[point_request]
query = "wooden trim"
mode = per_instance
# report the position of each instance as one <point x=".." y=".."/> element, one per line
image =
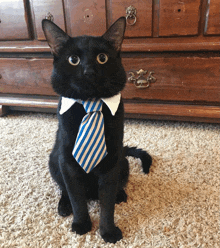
<point x="29" y="102"/>
<point x="172" y="44"/>
<point x="163" y="111"/>
<point x="3" y="110"/>
<point x="171" y="118"/>
<point x="186" y="112"/>
<point x="129" y="45"/>
<point x="23" y="47"/>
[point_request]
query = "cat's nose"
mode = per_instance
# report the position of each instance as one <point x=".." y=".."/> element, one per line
<point x="89" y="72"/>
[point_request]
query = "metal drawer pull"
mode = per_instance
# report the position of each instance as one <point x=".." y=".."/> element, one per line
<point x="131" y="13"/>
<point x="49" y="17"/>
<point x="141" y="82"/>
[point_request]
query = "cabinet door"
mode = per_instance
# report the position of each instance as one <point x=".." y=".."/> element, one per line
<point x="179" y="17"/>
<point x="86" y="17"/>
<point x="139" y="22"/>
<point x="213" y="18"/>
<point x="50" y="9"/>
<point x="13" y="20"/>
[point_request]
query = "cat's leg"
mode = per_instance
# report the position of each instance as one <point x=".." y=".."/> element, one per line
<point x="124" y="172"/>
<point x="64" y="206"/>
<point x="108" y="184"/>
<point x="123" y="179"/>
<point x="74" y="182"/>
<point x="54" y="166"/>
<point x="121" y="197"/>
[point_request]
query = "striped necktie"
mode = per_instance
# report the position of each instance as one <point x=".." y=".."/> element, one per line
<point x="90" y="147"/>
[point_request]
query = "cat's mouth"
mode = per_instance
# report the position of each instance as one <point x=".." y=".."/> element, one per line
<point x="88" y="90"/>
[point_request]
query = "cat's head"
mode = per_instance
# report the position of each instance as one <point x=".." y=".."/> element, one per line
<point x="86" y="66"/>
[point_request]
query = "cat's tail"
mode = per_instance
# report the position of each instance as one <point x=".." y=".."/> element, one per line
<point x="145" y="158"/>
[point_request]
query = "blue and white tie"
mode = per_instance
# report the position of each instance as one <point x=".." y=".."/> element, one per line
<point x="90" y="146"/>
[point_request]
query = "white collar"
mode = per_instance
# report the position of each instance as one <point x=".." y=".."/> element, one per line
<point x="111" y="102"/>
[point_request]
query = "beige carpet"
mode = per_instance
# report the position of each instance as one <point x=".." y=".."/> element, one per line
<point x="176" y="205"/>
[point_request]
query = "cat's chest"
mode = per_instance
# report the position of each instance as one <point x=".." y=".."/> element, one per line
<point x="70" y="121"/>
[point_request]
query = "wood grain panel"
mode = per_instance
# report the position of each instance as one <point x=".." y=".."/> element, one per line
<point x="29" y="101"/>
<point x="173" y="110"/>
<point x="3" y="110"/>
<point x="213" y="17"/>
<point x="143" y="25"/>
<point x="178" y="112"/>
<point x="13" y="21"/>
<point x="179" y="18"/>
<point x="178" y="79"/>
<point x="198" y="43"/>
<point x="42" y="9"/>
<point x="86" y="17"/>
<point x="26" y="76"/>
<point x="208" y="43"/>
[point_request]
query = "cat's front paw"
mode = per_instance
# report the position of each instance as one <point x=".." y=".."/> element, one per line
<point x="121" y="197"/>
<point x="113" y="236"/>
<point x="64" y="206"/>
<point x="82" y="228"/>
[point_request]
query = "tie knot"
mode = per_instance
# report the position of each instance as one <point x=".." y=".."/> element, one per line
<point x="92" y="105"/>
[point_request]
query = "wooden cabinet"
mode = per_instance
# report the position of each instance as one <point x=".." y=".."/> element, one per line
<point x="13" y="20"/>
<point x="179" y="18"/>
<point x="86" y="17"/>
<point x="175" y="79"/>
<point x="49" y="9"/>
<point x="26" y="76"/>
<point x="213" y="18"/>
<point x="141" y="20"/>
<point x="170" y="53"/>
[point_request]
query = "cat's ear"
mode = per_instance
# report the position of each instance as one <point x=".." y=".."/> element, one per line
<point x="115" y="34"/>
<point x="55" y="36"/>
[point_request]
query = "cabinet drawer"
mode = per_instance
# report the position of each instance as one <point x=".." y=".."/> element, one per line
<point x="179" y="17"/>
<point x="50" y="9"/>
<point x="13" y="21"/>
<point x="26" y="76"/>
<point x="86" y="17"/>
<point x="140" y="23"/>
<point x="212" y="26"/>
<point x="190" y="79"/>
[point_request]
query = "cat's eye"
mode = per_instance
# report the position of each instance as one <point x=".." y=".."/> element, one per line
<point x="74" y="60"/>
<point x="102" y="58"/>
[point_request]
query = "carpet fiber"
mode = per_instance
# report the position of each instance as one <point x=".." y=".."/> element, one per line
<point x="176" y="205"/>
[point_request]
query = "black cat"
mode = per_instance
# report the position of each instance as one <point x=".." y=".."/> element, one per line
<point x="90" y="67"/>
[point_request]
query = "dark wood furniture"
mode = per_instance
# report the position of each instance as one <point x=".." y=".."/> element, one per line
<point x="177" y="40"/>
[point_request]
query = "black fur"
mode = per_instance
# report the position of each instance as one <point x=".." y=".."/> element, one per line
<point x="90" y="79"/>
